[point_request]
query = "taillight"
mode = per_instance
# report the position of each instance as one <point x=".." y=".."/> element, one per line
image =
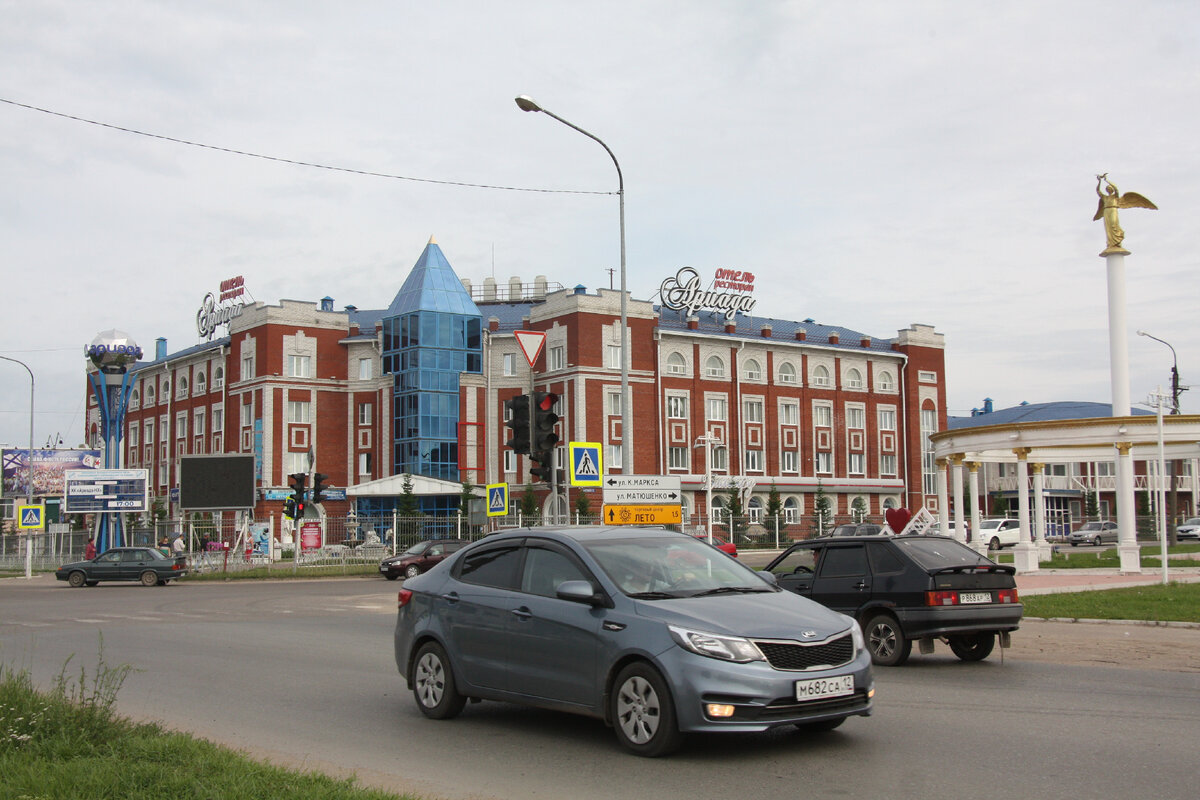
<point x="945" y="598"/>
<point x="403" y="598"/>
<point x="1007" y="596"/>
<point x="177" y="565"/>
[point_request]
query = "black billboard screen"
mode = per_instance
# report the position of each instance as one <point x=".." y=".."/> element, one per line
<point x="212" y="483"/>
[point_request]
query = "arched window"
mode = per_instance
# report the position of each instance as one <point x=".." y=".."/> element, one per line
<point x="753" y="371"/>
<point x="854" y="379"/>
<point x="889" y="502"/>
<point x="755" y="510"/>
<point x="885" y="381"/>
<point x="787" y="372"/>
<point x="150" y="394"/>
<point x="200" y="381"/>
<point x="714" y="367"/>
<point x="820" y="376"/>
<point x="181" y="387"/>
<point x="791" y="511"/>
<point x="166" y="391"/>
<point x="218" y="377"/>
<point x="676" y="364"/>
<point x="135" y="399"/>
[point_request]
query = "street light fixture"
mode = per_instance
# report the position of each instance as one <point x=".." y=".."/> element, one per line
<point x="526" y="103"/>
<point x="707" y="441"/>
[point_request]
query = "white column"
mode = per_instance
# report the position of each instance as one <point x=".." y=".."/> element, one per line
<point x="973" y="478"/>
<point x="1127" y="548"/>
<point x="1039" y="512"/>
<point x="1025" y="554"/>
<point x="943" y="497"/>
<point x="960" y="527"/>
<point x="1118" y="340"/>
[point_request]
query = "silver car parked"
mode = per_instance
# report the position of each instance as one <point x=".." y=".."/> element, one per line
<point x="651" y="631"/>
<point x="1094" y="533"/>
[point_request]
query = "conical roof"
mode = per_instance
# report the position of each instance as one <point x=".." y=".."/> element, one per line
<point x="432" y="286"/>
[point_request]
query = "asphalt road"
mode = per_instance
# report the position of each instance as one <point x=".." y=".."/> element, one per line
<point x="302" y="673"/>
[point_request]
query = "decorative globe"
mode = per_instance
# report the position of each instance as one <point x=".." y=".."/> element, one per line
<point x="112" y="350"/>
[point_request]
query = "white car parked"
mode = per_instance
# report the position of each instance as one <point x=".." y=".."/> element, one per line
<point x="1188" y="529"/>
<point x="1000" y="532"/>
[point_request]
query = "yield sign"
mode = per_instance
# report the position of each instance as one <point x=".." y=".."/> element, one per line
<point x="531" y="343"/>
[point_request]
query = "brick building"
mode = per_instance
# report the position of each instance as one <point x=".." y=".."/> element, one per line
<point x="419" y="388"/>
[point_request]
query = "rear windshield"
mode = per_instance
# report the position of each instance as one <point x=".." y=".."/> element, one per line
<point x="933" y="553"/>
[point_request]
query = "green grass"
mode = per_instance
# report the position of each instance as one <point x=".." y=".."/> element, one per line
<point x="1070" y="558"/>
<point x="1176" y="602"/>
<point x="68" y="744"/>
<point x="287" y="572"/>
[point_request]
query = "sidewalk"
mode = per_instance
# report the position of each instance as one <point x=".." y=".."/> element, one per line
<point x="1052" y="581"/>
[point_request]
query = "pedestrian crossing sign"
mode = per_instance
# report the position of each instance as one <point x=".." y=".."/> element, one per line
<point x="31" y="517"/>
<point x="587" y="463"/>
<point x="497" y="497"/>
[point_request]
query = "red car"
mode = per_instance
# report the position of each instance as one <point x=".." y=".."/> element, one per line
<point x="725" y="547"/>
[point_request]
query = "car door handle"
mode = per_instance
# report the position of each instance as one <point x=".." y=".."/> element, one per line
<point x="451" y="597"/>
<point x="523" y="612"/>
<point x="861" y="585"/>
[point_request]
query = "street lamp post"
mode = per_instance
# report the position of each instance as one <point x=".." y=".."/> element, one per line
<point x="707" y="441"/>
<point x="29" y="467"/>
<point x="526" y="103"/>
<point x="1175" y="391"/>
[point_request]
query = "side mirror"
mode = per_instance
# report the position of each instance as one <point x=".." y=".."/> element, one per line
<point x="769" y="577"/>
<point x="581" y="592"/>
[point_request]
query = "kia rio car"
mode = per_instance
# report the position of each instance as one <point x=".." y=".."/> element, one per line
<point x="652" y="631"/>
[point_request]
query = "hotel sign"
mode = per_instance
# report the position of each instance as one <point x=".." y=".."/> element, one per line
<point x="683" y="292"/>
<point x="211" y="315"/>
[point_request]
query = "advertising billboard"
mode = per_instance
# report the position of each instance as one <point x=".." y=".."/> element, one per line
<point x="216" y="483"/>
<point x="49" y="470"/>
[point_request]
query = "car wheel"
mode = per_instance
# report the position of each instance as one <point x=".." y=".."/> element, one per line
<point x="433" y="683"/>
<point x="643" y="714"/>
<point x="412" y="571"/>
<point x="888" y="645"/>
<point x="1096" y="542"/>
<point x="821" y="726"/>
<point x="994" y="544"/>
<point x="1074" y="544"/>
<point x="973" y="646"/>
<point x="149" y="578"/>
<point x="77" y="579"/>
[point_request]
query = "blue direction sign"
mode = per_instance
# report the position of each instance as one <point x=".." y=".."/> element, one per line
<point x="587" y="463"/>
<point x="497" y="497"/>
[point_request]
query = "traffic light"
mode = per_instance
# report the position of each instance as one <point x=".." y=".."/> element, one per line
<point x="318" y="487"/>
<point x="542" y="437"/>
<point x="518" y="422"/>
<point x="541" y="469"/>
<point x="293" y="507"/>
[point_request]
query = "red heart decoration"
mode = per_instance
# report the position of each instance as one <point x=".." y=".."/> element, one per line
<point x="897" y="518"/>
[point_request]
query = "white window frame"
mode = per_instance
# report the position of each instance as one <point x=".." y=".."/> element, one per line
<point x="788" y="461"/>
<point x="822" y="415"/>
<point x="789" y="413"/>
<point x="677" y="406"/>
<point x="299" y="412"/>
<point x="677" y="458"/>
<point x="887" y="464"/>
<point x="556" y="358"/>
<point x="714" y="367"/>
<point x="509" y="367"/>
<point x="753" y="409"/>
<point x="823" y="463"/>
<point x="365" y="369"/>
<point x="820" y="376"/>
<point x="787" y="373"/>
<point x="855" y="464"/>
<point x="614" y="356"/>
<point x="856" y="417"/>
<point x="753" y="460"/>
<point x="676" y="364"/>
<point x="716" y="408"/>
<point x="753" y="370"/>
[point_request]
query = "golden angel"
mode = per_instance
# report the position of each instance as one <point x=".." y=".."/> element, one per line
<point x="1111" y="199"/>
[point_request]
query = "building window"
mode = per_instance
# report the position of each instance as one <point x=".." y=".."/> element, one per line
<point x="300" y="366"/>
<point x="614" y="404"/>
<point x="247" y="415"/>
<point x="787" y="461"/>
<point x="198" y="422"/>
<point x="720" y="458"/>
<point x="149" y="432"/>
<point x="556" y="358"/>
<point x="133" y="435"/>
<point x="856" y="417"/>
<point x="218" y="378"/>
<point x="820" y="376"/>
<point x="1108" y="469"/>
<point x="677" y="407"/>
<point x="614" y="356"/>
<point x="364" y="413"/>
<point x="299" y="411"/>
<point x="134" y="399"/>
<point x="887" y="464"/>
<point x="218" y="419"/>
<point x="613" y="456"/>
<point x="714" y="367"/>
<point x="150" y="395"/>
<point x="787" y="373"/>
<point x="822" y="416"/>
<point x="753" y="371"/>
<point x="164" y="430"/>
<point x="928" y="465"/>
<point x="181" y="389"/>
<point x="181" y="425"/>
<point x="885" y="381"/>
<point x="925" y="376"/>
<point x="162" y="474"/>
<point x="789" y="414"/>
<point x="364" y="369"/>
<point x="887" y="419"/>
<point x="754" y="460"/>
<point x="510" y="462"/>
<point x="791" y="511"/>
<point x="676" y="364"/>
<point x="200" y="381"/>
<point x="753" y="410"/>
<point x="854" y="463"/>
<point x="296" y="462"/>
<point x="247" y="367"/>
<point x="165" y="394"/>
<point x="677" y="458"/>
<point x="510" y="364"/>
<point x="824" y="463"/>
<point x="716" y="409"/>
<point x="854" y="379"/>
<point x="364" y="465"/>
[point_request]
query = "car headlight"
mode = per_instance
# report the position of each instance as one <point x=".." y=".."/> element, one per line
<point x="715" y="645"/>
<point x="860" y="643"/>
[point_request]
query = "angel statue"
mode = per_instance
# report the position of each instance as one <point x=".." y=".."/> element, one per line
<point x="1110" y="200"/>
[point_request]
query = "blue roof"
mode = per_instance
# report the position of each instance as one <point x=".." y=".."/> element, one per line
<point x="215" y="344"/>
<point x="713" y="323"/>
<point x="1038" y="412"/>
<point x="432" y="286"/>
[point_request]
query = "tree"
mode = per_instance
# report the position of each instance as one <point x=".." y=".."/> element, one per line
<point x="774" y="507"/>
<point x="859" y="509"/>
<point x="529" y="503"/>
<point x="583" y="505"/>
<point x="407" y="510"/>
<point x="822" y="510"/>
<point x="736" y="527"/>
<point x="1091" y="505"/>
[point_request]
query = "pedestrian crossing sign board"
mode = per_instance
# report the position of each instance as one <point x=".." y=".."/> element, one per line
<point x="31" y="517"/>
<point x="497" y="497"/>
<point x="587" y="463"/>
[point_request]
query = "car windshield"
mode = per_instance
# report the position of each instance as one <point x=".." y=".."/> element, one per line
<point x="1091" y="526"/>
<point x="988" y="524"/>
<point x="662" y="567"/>
<point x="416" y="549"/>
<point x="939" y="553"/>
<point x="1192" y="521"/>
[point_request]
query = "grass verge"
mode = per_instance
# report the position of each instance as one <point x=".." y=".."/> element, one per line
<point x="1174" y="602"/>
<point x="67" y="743"/>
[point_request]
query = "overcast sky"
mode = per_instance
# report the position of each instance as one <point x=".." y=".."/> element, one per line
<point x="874" y="164"/>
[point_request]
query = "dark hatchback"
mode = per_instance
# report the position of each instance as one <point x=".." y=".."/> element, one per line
<point x="144" y="564"/>
<point x="907" y="588"/>
<point x="419" y="558"/>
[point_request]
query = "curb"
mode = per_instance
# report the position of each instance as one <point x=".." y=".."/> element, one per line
<point x="1144" y="623"/>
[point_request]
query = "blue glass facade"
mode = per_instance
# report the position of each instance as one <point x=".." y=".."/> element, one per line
<point x="431" y="335"/>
